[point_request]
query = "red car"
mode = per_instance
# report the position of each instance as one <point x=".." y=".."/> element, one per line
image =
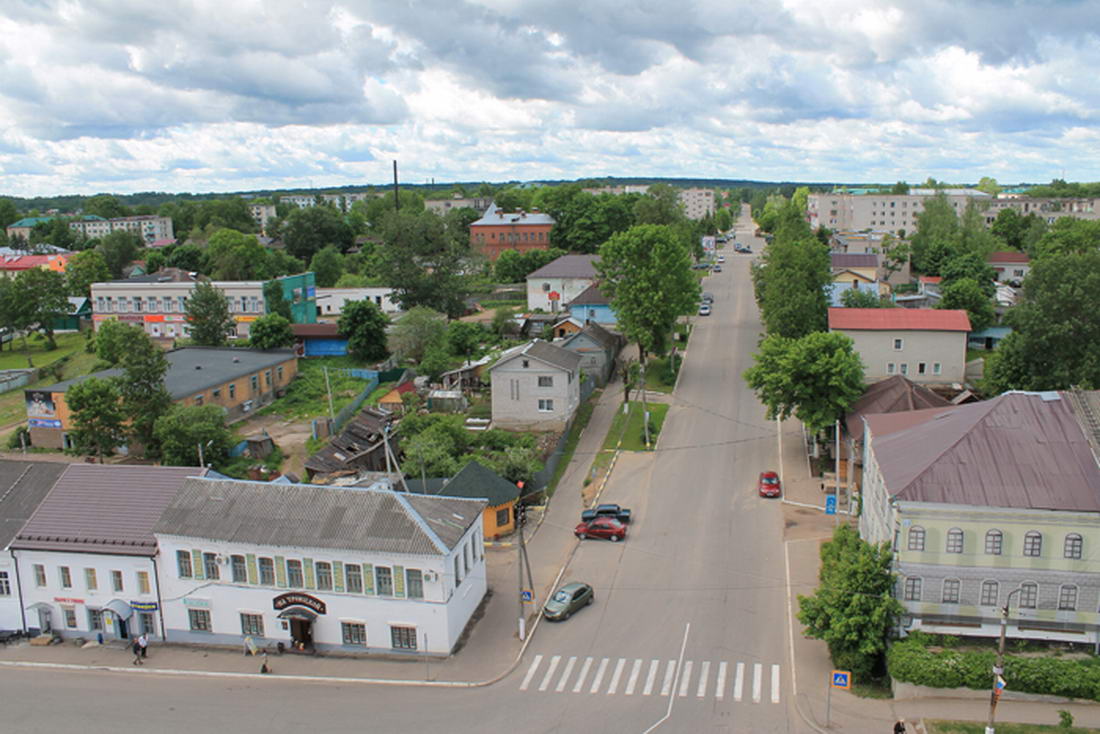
<point x="769" y="484"/>
<point x="601" y="527"/>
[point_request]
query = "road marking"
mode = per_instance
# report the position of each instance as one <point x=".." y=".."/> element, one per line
<point x="739" y="682"/>
<point x="614" y="687"/>
<point x="633" y="680"/>
<point x="651" y="676"/>
<point x="685" y="680"/>
<point x="672" y="699"/>
<point x="670" y="670"/>
<point x="704" y="673"/>
<point x="599" y="676"/>
<point x="584" y="674"/>
<point x="565" y="675"/>
<point x="775" y="684"/>
<point x="757" y="682"/>
<point x="720" y="684"/>
<point x="530" y="672"/>
<point x="549" y="672"/>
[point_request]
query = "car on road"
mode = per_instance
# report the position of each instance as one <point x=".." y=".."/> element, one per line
<point x="621" y="514"/>
<point x="704" y="309"/>
<point x="717" y="268"/>
<point x="721" y="258"/>
<point x="769" y="485"/>
<point x="601" y="527"/>
<point x="567" y="600"/>
<point x="708" y="297"/>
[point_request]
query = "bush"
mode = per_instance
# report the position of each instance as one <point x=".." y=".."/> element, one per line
<point x="13" y="439"/>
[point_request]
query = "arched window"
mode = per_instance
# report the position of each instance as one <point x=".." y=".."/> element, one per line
<point x="916" y="538"/>
<point x="1033" y="544"/>
<point x="954" y="540"/>
<point x="1073" y="546"/>
<point x="990" y="593"/>
<point x="993" y="542"/>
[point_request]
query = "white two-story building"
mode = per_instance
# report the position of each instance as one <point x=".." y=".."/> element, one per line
<point x="311" y="567"/>
<point x="557" y="283"/>
<point x="535" y="387"/>
<point x="927" y="345"/>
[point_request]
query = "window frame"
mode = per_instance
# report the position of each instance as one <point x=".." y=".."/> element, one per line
<point x="40" y="575"/>
<point x="916" y="538"/>
<point x="353" y="570"/>
<point x="546" y="380"/>
<point x="951" y="591"/>
<point x="5" y="584"/>
<point x="383" y="573"/>
<point x="414" y="583"/>
<point x="266" y="570"/>
<point x="955" y="541"/>
<point x="994" y="542"/>
<point x="899" y="344"/>
<point x="546" y="405"/>
<point x="1063" y="604"/>
<point x="914" y="586"/>
<point x="238" y="572"/>
<point x="1033" y="544"/>
<point x="252" y="624"/>
<point x="65" y="576"/>
<point x="994" y="586"/>
<point x="143" y="582"/>
<point x="183" y="564"/>
<point x="198" y="620"/>
<point x="353" y="634"/>
<point x="210" y="567"/>
<point x="117" y="582"/>
<point x="1029" y="595"/>
<point x="323" y="573"/>
<point x="295" y="573"/>
<point x="403" y="637"/>
<point x="1073" y="546"/>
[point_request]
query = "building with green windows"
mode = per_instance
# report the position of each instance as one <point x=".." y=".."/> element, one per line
<point x="979" y="500"/>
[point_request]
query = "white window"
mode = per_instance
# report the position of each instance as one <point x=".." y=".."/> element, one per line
<point x="183" y="564"/>
<point x="66" y="577"/>
<point x="905" y="368"/>
<point x="294" y="574"/>
<point x="954" y="540"/>
<point x="912" y="589"/>
<point x="39" y="575"/>
<point x="353" y="575"/>
<point x="546" y="405"/>
<point x="252" y="625"/>
<point x="936" y="369"/>
<point x="990" y="591"/>
<point x="951" y="591"/>
<point x="240" y="572"/>
<point x="70" y="616"/>
<point x="920" y="368"/>
<point x="116" y="580"/>
<point x="891" y="368"/>
<point x="403" y="638"/>
<point x="414" y="583"/>
<point x="1029" y="595"/>
<point x="95" y="619"/>
<point x="458" y="572"/>
<point x="210" y="564"/>
<point x="546" y="381"/>
<point x="1073" y="546"/>
<point x="199" y="620"/>
<point x="916" y="538"/>
<point x="324" y="576"/>
<point x="354" y="633"/>
<point x="1067" y="598"/>
<point x="1033" y="544"/>
<point x="994" y="540"/>
<point x="5" y="584"/>
<point x="898" y="344"/>
<point x="383" y="580"/>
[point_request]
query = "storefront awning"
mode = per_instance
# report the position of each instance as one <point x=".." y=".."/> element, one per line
<point x="40" y="605"/>
<point x="297" y="613"/>
<point x="120" y="608"/>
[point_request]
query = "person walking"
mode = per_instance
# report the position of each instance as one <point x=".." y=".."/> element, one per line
<point x="143" y="641"/>
<point x="135" y="646"/>
<point x="899" y="727"/>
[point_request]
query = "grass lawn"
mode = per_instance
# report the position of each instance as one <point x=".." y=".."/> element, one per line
<point x="13" y="405"/>
<point x="307" y="396"/>
<point x="584" y="413"/>
<point x="657" y="375"/>
<point x="937" y="726"/>
<point x="36" y="349"/>
<point x="972" y="354"/>
<point x="629" y="427"/>
<point x="380" y="392"/>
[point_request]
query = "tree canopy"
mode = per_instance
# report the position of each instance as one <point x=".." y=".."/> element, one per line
<point x="424" y="262"/>
<point x="119" y="249"/>
<point x="83" y="269"/>
<point x="327" y="266"/>
<point x="144" y="397"/>
<point x="364" y="326"/>
<point x="416" y="331"/>
<point x="42" y="297"/>
<point x="98" y="416"/>
<point x="791" y="284"/>
<point x="183" y="428"/>
<point x="270" y="331"/>
<point x="967" y="294"/>
<point x="306" y="231"/>
<point x="208" y="314"/>
<point x="114" y="339"/>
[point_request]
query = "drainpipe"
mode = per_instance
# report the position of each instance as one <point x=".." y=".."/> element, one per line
<point x="160" y="601"/>
<point x="19" y="585"/>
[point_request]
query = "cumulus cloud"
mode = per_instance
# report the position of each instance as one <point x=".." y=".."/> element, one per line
<point x="215" y="95"/>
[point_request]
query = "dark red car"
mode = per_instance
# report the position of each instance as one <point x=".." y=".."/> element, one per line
<point x="601" y="527"/>
<point x="769" y="484"/>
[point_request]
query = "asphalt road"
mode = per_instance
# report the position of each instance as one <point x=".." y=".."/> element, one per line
<point x="689" y="621"/>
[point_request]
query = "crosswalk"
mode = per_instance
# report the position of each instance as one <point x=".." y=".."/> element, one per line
<point x="742" y="682"/>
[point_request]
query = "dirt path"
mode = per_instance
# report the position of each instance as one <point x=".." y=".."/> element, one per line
<point x="289" y="435"/>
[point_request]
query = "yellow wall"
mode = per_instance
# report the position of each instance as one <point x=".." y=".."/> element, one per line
<point x="489" y="521"/>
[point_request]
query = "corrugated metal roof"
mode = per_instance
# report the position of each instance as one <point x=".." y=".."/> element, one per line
<point x="23" y="486"/>
<point x="96" y="508"/>
<point x="893" y="395"/>
<point x="544" y="352"/>
<point x="321" y="328"/>
<point x="313" y="516"/>
<point x="854" y="259"/>
<point x="491" y="218"/>
<point x="1008" y="257"/>
<point x="1019" y="449"/>
<point x="590" y="296"/>
<point x="568" y="266"/>
<point x="899" y="319"/>
<point x="477" y="481"/>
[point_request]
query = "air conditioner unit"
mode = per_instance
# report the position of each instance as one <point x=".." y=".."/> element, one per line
<point x="246" y="406"/>
<point x="222" y="558"/>
<point x="430" y="576"/>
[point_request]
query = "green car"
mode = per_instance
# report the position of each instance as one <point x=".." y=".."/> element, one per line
<point x="567" y="600"/>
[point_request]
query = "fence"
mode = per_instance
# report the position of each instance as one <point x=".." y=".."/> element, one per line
<point x="15" y="379"/>
<point x="352" y="408"/>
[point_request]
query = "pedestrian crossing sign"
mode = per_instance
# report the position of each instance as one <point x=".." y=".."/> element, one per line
<point x="527" y="595"/>
<point x="842" y="679"/>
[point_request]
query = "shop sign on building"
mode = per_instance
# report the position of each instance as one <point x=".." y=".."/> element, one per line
<point x="295" y="598"/>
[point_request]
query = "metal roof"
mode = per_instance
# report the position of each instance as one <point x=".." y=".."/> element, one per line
<point x="1025" y="450"/>
<point x="495" y="217"/>
<point x="194" y="369"/>
<point x="893" y="395"/>
<point x="313" y="516"/>
<point x="1008" y="257"/>
<point x="854" y="259"/>
<point x="23" y="486"/>
<point x="899" y="319"/>
<point x="109" y="509"/>
<point x="545" y="352"/>
<point x="477" y="481"/>
<point x="568" y="266"/>
<point x="590" y="296"/>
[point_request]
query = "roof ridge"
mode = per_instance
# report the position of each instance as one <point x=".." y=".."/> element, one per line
<point x="420" y="522"/>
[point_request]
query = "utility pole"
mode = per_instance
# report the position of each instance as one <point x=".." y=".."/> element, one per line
<point x="645" y="408"/>
<point x="396" y="198"/>
<point x="201" y="464"/>
<point x="836" y="483"/>
<point x="331" y="414"/>
<point x="998" y="668"/>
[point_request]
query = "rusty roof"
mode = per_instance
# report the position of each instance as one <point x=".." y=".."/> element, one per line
<point x="892" y="395"/>
<point x="1008" y="257"/>
<point x="1020" y="449"/>
<point x="899" y="319"/>
<point x="110" y="509"/>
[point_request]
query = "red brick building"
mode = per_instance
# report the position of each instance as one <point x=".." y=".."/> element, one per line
<point x="498" y="231"/>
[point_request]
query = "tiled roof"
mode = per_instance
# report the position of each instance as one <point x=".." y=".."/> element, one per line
<point x="23" y="485"/>
<point x="1019" y="449"/>
<point x="899" y="319"/>
<point x="854" y="259"/>
<point x="568" y="266"/>
<point x="314" y="516"/>
<point x="97" y="508"/>
<point x="1008" y="257"/>
<point x="478" y="482"/>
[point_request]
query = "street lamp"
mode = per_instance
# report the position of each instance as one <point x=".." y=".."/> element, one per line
<point x="998" y="668"/>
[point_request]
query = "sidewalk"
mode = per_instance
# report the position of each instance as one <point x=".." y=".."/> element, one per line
<point x="493" y="645"/>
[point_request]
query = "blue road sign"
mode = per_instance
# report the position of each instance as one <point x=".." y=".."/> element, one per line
<point x="830" y="504"/>
<point x="527" y="595"/>
<point x="842" y="679"/>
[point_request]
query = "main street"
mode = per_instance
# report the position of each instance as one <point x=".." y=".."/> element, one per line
<point x="690" y="618"/>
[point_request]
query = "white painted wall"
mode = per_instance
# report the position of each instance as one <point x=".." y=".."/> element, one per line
<point x="516" y="394"/>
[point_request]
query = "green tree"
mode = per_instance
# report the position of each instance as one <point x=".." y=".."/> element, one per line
<point x="208" y="314"/>
<point x="435" y="362"/>
<point x="271" y="331"/>
<point x="97" y="415"/>
<point x="352" y="280"/>
<point x="119" y="249"/>
<point x="853" y="609"/>
<point x="306" y="231"/>
<point x="1055" y="342"/>
<point x="364" y="325"/>
<point x="900" y="188"/>
<point x="430" y="453"/>
<point x="974" y="237"/>
<point x="274" y="301"/>
<point x="966" y="294"/>
<point x="463" y="338"/>
<point x="895" y="254"/>
<point x="187" y="257"/>
<point x="416" y="331"/>
<point x="646" y="273"/>
<point x="972" y="266"/>
<point x="114" y="339"/>
<point x="723" y="220"/>
<point x="937" y="235"/>
<point x="424" y="263"/>
<point x="791" y="286"/>
<point x="1069" y="235"/>
<point x="8" y="213"/>
<point x="327" y="266"/>
<point x="42" y="297"/>
<point x="233" y="255"/>
<point x="816" y="378"/>
<point x="378" y="208"/>
<point x="183" y="428"/>
<point x="989" y="186"/>
<point x="106" y="206"/>
<point x="860" y="298"/>
<point x="144" y="397"/>
<point x="502" y="320"/>
<point x="154" y="260"/>
<point x="661" y="205"/>
<point x="83" y="269"/>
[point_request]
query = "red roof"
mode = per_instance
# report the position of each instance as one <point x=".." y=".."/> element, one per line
<point x="894" y="319"/>
<point x="930" y="279"/>
<point x="319" y="329"/>
<point x="1008" y="257"/>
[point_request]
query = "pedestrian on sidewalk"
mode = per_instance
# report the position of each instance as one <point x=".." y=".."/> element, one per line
<point x="135" y="647"/>
<point x="899" y="727"/>
<point x="143" y="641"/>
<point x="264" y="667"/>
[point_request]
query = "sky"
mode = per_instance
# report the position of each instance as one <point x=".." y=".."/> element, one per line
<point x="235" y="95"/>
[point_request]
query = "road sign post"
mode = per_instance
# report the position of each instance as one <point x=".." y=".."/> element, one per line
<point x="837" y="679"/>
<point x="527" y="595"/>
<point x="830" y="504"/>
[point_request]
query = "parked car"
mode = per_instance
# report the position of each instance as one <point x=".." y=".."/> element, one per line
<point x="721" y="258"/>
<point x="708" y="297"/>
<point x="704" y="309"/>
<point x="607" y="510"/>
<point x="769" y="485"/>
<point x="601" y="527"/>
<point x="717" y="268"/>
<point x="566" y="600"/>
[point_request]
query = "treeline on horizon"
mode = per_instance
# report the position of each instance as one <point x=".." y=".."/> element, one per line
<point x="153" y="199"/>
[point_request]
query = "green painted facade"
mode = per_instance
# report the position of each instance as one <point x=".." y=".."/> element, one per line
<point x="300" y="291"/>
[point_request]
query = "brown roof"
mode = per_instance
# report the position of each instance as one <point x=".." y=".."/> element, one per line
<point x="23" y="485"/>
<point x="591" y="296"/>
<point x="318" y="329"/>
<point x="892" y="395"/>
<point x="1025" y="450"/>
<point x="1008" y="257"/>
<point x="853" y="260"/>
<point x="568" y="266"/>
<point x="111" y="509"/>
